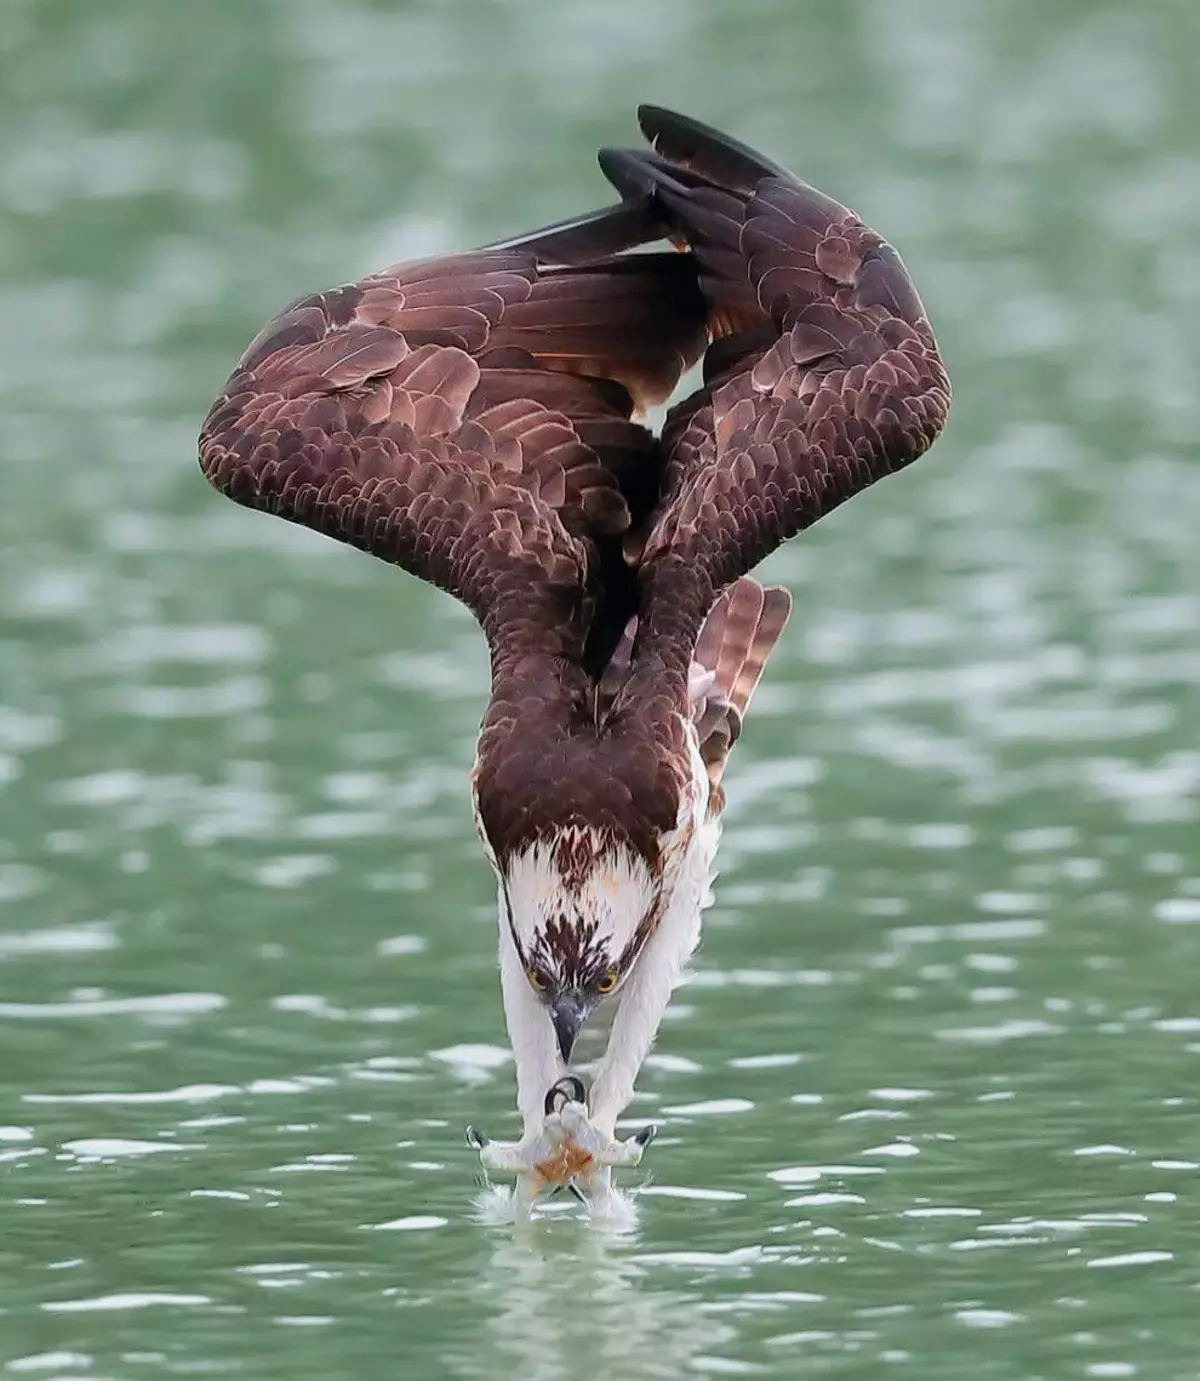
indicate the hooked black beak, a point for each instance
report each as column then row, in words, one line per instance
column 568, row 1014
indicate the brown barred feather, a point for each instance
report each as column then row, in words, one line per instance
column 772, row 620
column 737, row 638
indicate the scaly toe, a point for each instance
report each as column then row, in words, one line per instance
column 628, row 1153
column 519, row 1157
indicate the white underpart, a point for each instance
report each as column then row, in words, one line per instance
column 700, row 681
column 530, row 1033
column 534, row 1047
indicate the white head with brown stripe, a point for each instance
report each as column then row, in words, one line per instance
column 580, row 907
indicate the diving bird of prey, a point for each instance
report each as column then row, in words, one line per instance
column 473, row 419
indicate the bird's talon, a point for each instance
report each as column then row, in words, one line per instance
column 645, row 1135
column 476, row 1139
column 568, row 1089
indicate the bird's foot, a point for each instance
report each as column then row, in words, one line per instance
column 535, row 1149
column 517, row 1157
column 567, row 1151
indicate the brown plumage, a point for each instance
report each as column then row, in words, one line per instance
column 471, row 419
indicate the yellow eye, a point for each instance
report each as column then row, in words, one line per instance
column 608, row 982
column 535, row 979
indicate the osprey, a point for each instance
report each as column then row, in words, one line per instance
column 472, row 419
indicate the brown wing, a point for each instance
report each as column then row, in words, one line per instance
column 823, row 376
column 468, row 418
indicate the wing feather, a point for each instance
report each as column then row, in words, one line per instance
column 824, row 375
column 473, row 419
column 469, row 418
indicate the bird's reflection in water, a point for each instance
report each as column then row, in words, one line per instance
column 565, row 1299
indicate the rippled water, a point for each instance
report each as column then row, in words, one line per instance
column 929, row 1102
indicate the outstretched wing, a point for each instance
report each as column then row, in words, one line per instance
column 468, row 418
column 823, row 375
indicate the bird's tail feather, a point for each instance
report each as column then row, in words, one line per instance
column 731, row 654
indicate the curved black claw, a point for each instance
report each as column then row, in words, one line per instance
column 568, row 1089
column 646, row 1134
column 476, row 1139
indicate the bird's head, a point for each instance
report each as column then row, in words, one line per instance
column 580, row 908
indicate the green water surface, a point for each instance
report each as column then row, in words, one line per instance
column 929, row 1104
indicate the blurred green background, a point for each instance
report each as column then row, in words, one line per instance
column 928, row 1106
